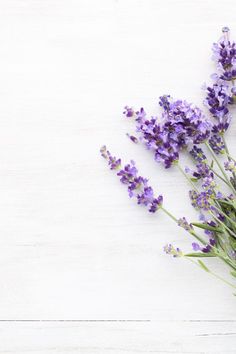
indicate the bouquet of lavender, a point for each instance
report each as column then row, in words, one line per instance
column 183, row 126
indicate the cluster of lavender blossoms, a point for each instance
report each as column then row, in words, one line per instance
column 181, row 126
column 137, row 186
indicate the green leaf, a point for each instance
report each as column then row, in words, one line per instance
column 233, row 273
column 199, row 254
column 225, row 202
column 207, row 227
column 212, row 163
column 204, row 267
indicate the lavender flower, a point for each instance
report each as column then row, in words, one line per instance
column 210, row 223
column 182, row 222
column 224, row 54
column 175, row 252
column 230, row 166
column 218, row 99
column 186, row 122
column 217, row 144
column 198, row 154
column 137, row 186
column 128, row 112
column 157, row 138
column 113, row 162
column 200, row 200
column 132, row 138
column 196, row 246
column 203, row 171
column 209, row 184
column 164, row 101
column 181, row 123
column 221, row 94
column 206, row 249
column 193, row 197
column 203, row 201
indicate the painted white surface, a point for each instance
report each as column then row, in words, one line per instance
column 72, row 245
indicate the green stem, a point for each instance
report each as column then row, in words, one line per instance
column 189, row 180
column 192, row 232
column 226, row 227
column 213, row 274
column 227, row 202
column 219, row 176
column 227, row 152
column 215, row 217
column 228, row 261
column 220, row 167
column 230, row 157
column 186, row 176
column 169, row 214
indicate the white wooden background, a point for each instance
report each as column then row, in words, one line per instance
column 82, row 268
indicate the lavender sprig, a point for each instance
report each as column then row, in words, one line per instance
column 183, row 126
column 137, row 186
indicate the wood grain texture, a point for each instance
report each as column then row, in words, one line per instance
column 82, row 267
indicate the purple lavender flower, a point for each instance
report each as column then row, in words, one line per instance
column 209, row 232
column 218, row 99
column 200, row 200
column 132, row 138
column 209, row 184
column 146, row 197
column 157, row 138
column 217, row 144
column 198, row 154
column 209, row 222
column 128, row 112
column 156, row 204
column 193, row 197
column 137, row 186
column 206, row 249
column 164, row 101
column 224, row 54
column 141, row 115
column 196, row 246
column 175, row 252
column 186, row 122
column 182, row 222
column 113, row 162
column 230, row 166
column 221, row 126
column 167, row 154
column 203, row 171
column 233, row 90
column 221, row 94
column 181, row 123
column 203, row 201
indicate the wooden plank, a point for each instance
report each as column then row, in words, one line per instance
column 185, row 337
